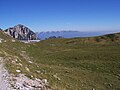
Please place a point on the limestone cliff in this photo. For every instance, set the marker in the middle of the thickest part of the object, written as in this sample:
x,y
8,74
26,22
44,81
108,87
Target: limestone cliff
x,y
21,32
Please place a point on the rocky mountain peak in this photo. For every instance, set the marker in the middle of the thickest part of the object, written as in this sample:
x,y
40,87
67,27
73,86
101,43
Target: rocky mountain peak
x,y
21,32
20,26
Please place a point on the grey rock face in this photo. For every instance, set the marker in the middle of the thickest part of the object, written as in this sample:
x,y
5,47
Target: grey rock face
x,y
21,32
21,82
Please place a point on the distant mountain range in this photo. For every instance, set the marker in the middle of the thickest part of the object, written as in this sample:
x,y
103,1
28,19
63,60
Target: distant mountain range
x,y
68,34
22,32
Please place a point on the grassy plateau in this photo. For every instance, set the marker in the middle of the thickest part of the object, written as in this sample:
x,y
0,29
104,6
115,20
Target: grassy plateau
x,y
68,64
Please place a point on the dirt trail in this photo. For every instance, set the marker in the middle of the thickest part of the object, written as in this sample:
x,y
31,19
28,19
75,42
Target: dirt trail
x,y
3,82
20,82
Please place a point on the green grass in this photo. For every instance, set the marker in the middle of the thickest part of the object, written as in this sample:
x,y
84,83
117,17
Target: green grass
x,y
68,64
78,65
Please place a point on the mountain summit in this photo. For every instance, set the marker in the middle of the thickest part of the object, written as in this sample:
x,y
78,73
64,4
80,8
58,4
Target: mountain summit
x,y
21,32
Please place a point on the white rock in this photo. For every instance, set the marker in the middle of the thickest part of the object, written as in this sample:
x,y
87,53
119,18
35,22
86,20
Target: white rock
x,y
30,61
0,41
44,80
13,62
13,40
31,76
18,71
16,60
27,69
55,76
20,64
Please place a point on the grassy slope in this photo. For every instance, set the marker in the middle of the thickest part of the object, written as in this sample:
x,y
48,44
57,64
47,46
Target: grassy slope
x,y
78,64
69,64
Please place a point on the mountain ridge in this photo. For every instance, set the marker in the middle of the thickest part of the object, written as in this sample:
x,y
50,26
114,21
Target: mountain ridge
x,y
68,34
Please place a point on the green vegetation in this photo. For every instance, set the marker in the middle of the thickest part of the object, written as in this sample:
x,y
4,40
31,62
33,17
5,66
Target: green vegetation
x,y
68,64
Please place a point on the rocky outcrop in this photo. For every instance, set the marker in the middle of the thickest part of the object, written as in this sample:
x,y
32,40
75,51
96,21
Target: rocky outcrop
x,y
21,82
21,32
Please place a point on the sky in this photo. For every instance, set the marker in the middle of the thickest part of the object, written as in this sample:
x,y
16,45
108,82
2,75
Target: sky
x,y
56,15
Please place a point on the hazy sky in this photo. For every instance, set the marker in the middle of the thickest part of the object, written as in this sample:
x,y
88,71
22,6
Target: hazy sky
x,y
49,15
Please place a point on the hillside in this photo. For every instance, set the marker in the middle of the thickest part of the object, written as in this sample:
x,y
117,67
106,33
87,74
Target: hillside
x,y
112,37
107,38
90,63
15,61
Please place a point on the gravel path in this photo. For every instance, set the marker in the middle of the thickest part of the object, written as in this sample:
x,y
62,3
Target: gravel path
x,y
3,82
20,82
